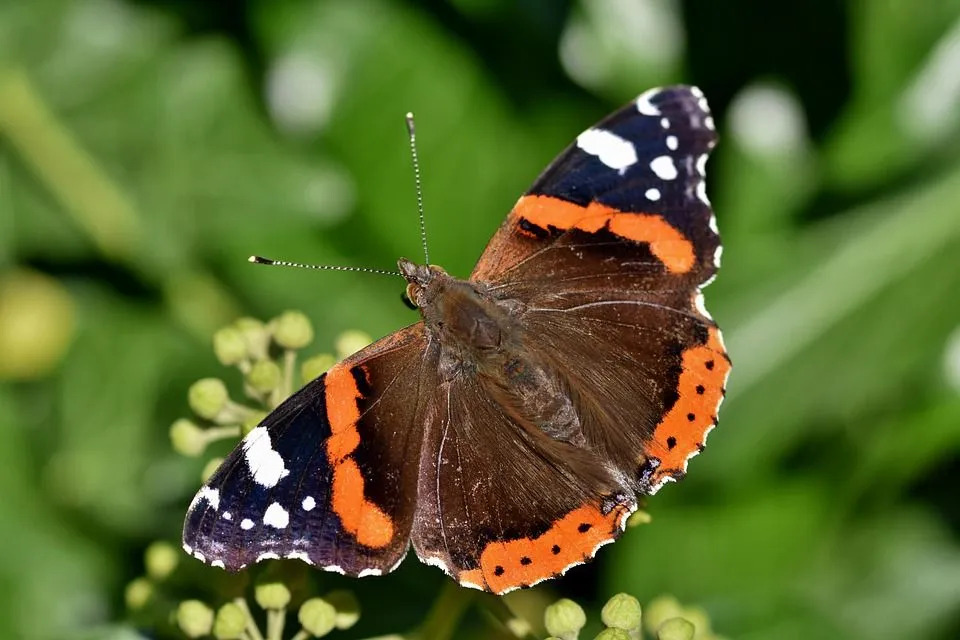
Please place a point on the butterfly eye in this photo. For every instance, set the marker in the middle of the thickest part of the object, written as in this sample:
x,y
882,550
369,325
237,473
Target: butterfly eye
x,y
407,301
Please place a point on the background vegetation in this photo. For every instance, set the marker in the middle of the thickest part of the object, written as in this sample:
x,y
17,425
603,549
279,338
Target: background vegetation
x,y
147,148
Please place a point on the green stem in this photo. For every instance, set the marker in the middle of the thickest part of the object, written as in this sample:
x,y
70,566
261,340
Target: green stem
x,y
71,173
252,628
289,364
275,620
497,608
301,635
212,434
446,612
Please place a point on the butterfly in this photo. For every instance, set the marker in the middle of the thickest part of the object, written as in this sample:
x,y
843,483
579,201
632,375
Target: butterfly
x,y
510,432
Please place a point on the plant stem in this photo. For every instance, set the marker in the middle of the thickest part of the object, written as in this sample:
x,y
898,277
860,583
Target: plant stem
x,y
446,612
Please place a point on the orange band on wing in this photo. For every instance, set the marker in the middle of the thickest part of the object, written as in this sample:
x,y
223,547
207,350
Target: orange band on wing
x,y
358,516
683,429
571,540
670,246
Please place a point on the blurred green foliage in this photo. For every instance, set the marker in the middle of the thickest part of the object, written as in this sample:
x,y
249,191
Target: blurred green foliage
x,y
146,148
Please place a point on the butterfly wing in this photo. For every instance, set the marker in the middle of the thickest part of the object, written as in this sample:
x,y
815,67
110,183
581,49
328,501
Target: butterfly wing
x,y
329,477
501,504
608,251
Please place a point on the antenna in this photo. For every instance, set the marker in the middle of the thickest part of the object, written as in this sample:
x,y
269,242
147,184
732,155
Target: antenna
x,y
320,267
412,132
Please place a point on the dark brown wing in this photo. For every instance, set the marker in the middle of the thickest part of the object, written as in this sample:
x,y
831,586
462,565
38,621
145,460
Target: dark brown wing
x,y
608,251
501,504
330,477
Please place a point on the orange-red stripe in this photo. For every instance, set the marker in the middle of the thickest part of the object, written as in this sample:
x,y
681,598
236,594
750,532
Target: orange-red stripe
x,y
681,431
670,246
358,516
572,539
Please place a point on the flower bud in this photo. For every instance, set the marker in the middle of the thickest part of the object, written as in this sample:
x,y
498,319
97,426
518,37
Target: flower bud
x,y
676,629
639,517
138,593
208,397
187,438
613,634
316,366
272,595
347,607
194,618
622,611
564,618
160,559
349,342
264,375
256,336
292,330
229,346
230,623
317,616
659,610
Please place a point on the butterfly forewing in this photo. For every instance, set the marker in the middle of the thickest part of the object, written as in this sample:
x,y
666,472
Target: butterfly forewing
x,y
297,486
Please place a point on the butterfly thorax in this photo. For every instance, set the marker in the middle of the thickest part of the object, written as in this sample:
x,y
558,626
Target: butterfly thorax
x,y
479,335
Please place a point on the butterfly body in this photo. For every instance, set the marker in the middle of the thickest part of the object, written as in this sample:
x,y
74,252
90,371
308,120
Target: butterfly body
x,y
509,434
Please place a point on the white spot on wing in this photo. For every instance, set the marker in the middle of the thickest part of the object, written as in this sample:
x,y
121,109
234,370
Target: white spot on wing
x,y
188,548
265,464
434,561
709,123
299,555
701,307
218,564
246,524
702,194
672,143
716,256
645,106
653,194
199,556
471,585
665,123
227,515
369,572
713,224
309,503
212,496
702,164
267,555
276,516
335,569
609,148
664,167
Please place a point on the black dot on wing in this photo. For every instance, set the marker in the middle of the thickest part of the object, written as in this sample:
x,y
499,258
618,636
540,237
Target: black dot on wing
x,y
498,570
584,527
700,389
671,442
691,417
555,550
525,561
709,365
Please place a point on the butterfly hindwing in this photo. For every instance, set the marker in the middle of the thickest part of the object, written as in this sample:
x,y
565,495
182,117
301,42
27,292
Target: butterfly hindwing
x,y
329,477
501,503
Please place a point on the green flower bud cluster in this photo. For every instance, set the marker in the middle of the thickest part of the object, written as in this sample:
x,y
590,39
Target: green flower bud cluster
x,y
265,353
234,620
624,619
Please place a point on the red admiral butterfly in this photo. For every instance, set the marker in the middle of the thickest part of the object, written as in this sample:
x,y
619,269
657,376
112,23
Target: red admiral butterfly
x,y
508,434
